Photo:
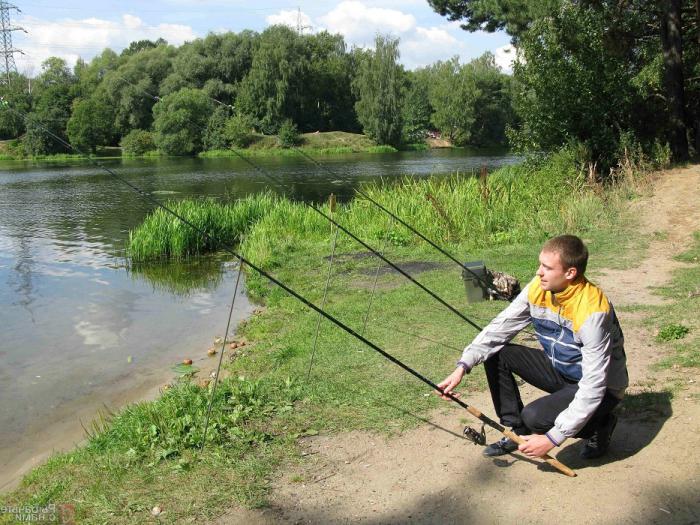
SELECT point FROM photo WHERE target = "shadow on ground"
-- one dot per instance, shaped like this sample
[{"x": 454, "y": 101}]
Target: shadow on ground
[{"x": 641, "y": 417}]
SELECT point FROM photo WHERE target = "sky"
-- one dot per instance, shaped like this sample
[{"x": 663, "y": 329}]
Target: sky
[{"x": 80, "y": 28}]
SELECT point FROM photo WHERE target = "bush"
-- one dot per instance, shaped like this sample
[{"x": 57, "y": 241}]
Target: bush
[
  {"x": 288, "y": 135},
  {"x": 137, "y": 142},
  {"x": 179, "y": 120},
  {"x": 238, "y": 131},
  {"x": 215, "y": 134}
]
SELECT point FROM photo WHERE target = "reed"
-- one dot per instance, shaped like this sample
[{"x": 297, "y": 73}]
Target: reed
[{"x": 522, "y": 203}]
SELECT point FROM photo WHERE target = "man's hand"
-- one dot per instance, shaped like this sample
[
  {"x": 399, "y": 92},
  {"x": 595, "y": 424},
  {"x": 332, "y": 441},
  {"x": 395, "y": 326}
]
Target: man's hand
[
  {"x": 536, "y": 445},
  {"x": 450, "y": 383}
]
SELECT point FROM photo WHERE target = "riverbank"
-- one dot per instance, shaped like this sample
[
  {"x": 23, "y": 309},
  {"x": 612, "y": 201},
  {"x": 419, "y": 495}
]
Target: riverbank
[
  {"x": 320, "y": 143},
  {"x": 147, "y": 454}
]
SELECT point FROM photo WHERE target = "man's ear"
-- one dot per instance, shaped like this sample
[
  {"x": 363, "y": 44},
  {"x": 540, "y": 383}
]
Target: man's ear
[{"x": 571, "y": 273}]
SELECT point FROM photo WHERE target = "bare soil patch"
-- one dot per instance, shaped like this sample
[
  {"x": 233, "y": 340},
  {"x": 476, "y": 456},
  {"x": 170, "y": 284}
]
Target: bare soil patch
[{"x": 432, "y": 475}]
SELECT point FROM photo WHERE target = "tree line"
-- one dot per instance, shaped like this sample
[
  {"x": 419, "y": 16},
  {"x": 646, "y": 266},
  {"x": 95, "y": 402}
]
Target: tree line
[{"x": 216, "y": 92}]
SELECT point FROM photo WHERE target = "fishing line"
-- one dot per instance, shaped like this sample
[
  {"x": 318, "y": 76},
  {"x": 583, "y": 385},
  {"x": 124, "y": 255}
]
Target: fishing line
[
  {"x": 359, "y": 192},
  {"x": 472, "y": 410},
  {"x": 374, "y": 284},
  {"x": 221, "y": 354},
  {"x": 325, "y": 288},
  {"x": 275, "y": 180}
]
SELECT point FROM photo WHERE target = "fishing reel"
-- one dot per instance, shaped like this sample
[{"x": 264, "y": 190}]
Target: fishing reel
[{"x": 478, "y": 437}]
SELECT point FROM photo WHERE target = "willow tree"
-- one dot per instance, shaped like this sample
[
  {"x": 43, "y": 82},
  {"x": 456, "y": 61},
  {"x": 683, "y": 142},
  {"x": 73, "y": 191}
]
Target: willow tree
[{"x": 378, "y": 87}]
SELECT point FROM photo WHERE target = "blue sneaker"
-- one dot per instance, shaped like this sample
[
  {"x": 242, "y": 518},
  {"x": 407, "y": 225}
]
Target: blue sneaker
[{"x": 499, "y": 448}]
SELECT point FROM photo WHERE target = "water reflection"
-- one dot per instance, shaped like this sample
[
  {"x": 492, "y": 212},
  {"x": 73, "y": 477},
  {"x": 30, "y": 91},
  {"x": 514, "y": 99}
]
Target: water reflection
[
  {"x": 181, "y": 278},
  {"x": 23, "y": 276}
]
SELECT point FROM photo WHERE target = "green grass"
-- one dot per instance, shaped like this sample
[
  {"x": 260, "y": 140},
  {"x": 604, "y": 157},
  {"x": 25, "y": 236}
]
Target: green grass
[
  {"x": 325, "y": 143},
  {"x": 677, "y": 322},
  {"x": 146, "y": 455}
]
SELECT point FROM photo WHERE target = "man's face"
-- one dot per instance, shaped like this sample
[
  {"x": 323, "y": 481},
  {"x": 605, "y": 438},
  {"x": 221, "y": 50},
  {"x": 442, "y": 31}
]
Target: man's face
[{"x": 553, "y": 276}]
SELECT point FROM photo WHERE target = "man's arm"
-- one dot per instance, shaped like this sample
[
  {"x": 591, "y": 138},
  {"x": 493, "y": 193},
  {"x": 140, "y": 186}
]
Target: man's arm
[
  {"x": 491, "y": 339},
  {"x": 498, "y": 332}
]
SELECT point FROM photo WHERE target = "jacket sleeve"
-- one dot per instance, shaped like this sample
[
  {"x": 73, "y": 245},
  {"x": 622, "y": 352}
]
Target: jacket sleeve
[
  {"x": 499, "y": 332},
  {"x": 595, "y": 335}
]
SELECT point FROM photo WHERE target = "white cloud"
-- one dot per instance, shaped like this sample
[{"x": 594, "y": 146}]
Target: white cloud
[
  {"x": 290, "y": 18},
  {"x": 505, "y": 55},
  {"x": 73, "y": 38},
  {"x": 359, "y": 24}
]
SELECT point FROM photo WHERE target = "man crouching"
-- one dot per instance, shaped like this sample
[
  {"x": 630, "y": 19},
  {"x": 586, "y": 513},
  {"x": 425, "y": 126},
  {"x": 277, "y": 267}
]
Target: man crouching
[{"x": 583, "y": 366}]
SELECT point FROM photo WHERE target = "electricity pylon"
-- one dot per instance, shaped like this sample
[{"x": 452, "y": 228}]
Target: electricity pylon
[{"x": 8, "y": 52}]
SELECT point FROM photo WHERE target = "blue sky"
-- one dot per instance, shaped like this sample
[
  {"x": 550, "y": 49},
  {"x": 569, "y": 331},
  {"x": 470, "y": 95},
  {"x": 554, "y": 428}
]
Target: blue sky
[{"x": 73, "y": 28}]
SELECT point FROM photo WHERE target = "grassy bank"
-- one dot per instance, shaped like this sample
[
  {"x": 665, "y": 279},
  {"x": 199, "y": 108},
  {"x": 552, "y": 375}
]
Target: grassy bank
[
  {"x": 147, "y": 454},
  {"x": 325, "y": 143}
]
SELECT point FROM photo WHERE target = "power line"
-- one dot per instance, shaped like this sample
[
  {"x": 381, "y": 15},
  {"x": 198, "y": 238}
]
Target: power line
[{"x": 8, "y": 52}]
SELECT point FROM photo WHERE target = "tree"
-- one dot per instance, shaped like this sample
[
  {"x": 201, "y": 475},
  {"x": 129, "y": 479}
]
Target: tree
[
  {"x": 378, "y": 86},
  {"x": 644, "y": 38},
  {"x": 90, "y": 125},
  {"x": 493, "y": 108},
  {"x": 416, "y": 106},
  {"x": 515, "y": 16},
  {"x": 179, "y": 121},
  {"x": 130, "y": 90},
  {"x": 16, "y": 96},
  {"x": 215, "y": 134},
  {"x": 453, "y": 93},
  {"x": 52, "y": 108},
  {"x": 273, "y": 89}
]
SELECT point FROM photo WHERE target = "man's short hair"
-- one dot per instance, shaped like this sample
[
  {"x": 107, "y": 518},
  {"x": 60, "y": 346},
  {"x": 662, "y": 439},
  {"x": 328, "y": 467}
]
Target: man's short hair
[{"x": 572, "y": 252}]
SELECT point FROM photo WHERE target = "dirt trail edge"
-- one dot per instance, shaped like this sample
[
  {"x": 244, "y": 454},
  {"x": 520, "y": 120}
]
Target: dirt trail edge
[{"x": 431, "y": 475}]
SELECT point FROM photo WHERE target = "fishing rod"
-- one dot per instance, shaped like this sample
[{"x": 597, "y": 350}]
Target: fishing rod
[{"x": 243, "y": 261}]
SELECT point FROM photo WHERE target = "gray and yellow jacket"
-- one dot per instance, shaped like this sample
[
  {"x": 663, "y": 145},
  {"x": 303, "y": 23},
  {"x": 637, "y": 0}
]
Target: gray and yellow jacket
[{"x": 580, "y": 334}]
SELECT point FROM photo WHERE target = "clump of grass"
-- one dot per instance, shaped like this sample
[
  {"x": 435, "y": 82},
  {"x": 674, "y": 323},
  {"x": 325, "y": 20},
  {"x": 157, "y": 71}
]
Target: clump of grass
[
  {"x": 163, "y": 236},
  {"x": 671, "y": 332}
]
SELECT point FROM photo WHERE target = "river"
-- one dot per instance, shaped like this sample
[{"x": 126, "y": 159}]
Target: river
[{"x": 80, "y": 330}]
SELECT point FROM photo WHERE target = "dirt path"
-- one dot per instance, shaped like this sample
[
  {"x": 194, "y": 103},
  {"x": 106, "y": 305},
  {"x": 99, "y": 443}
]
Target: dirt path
[{"x": 432, "y": 475}]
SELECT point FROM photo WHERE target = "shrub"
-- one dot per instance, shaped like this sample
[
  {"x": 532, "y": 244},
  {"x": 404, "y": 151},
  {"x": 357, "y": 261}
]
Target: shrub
[
  {"x": 215, "y": 134},
  {"x": 288, "y": 135},
  {"x": 137, "y": 142},
  {"x": 238, "y": 131}
]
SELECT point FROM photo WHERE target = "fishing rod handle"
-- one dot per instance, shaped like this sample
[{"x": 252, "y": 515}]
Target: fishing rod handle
[{"x": 549, "y": 459}]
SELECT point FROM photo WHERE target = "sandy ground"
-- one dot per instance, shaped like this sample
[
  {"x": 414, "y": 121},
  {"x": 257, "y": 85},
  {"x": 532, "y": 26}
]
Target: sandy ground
[{"x": 432, "y": 475}]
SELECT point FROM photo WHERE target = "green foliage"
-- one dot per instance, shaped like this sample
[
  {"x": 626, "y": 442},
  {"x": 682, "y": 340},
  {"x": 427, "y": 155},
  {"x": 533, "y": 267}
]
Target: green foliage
[
  {"x": 288, "y": 135},
  {"x": 515, "y": 16},
  {"x": 215, "y": 134},
  {"x": 416, "y": 107},
  {"x": 588, "y": 99},
  {"x": 162, "y": 236},
  {"x": 138, "y": 142},
  {"x": 131, "y": 88},
  {"x": 453, "y": 93},
  {"x": 671, "y": 332},
  {"x": 477, "y": 214},
  {"x": 90, "y": 124},
  {"x": 17, "y": 98},
  {"x": 239, "y": 131},
  {"x": 179, "y": 120},
  {"x": 379, "y": 86}
]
